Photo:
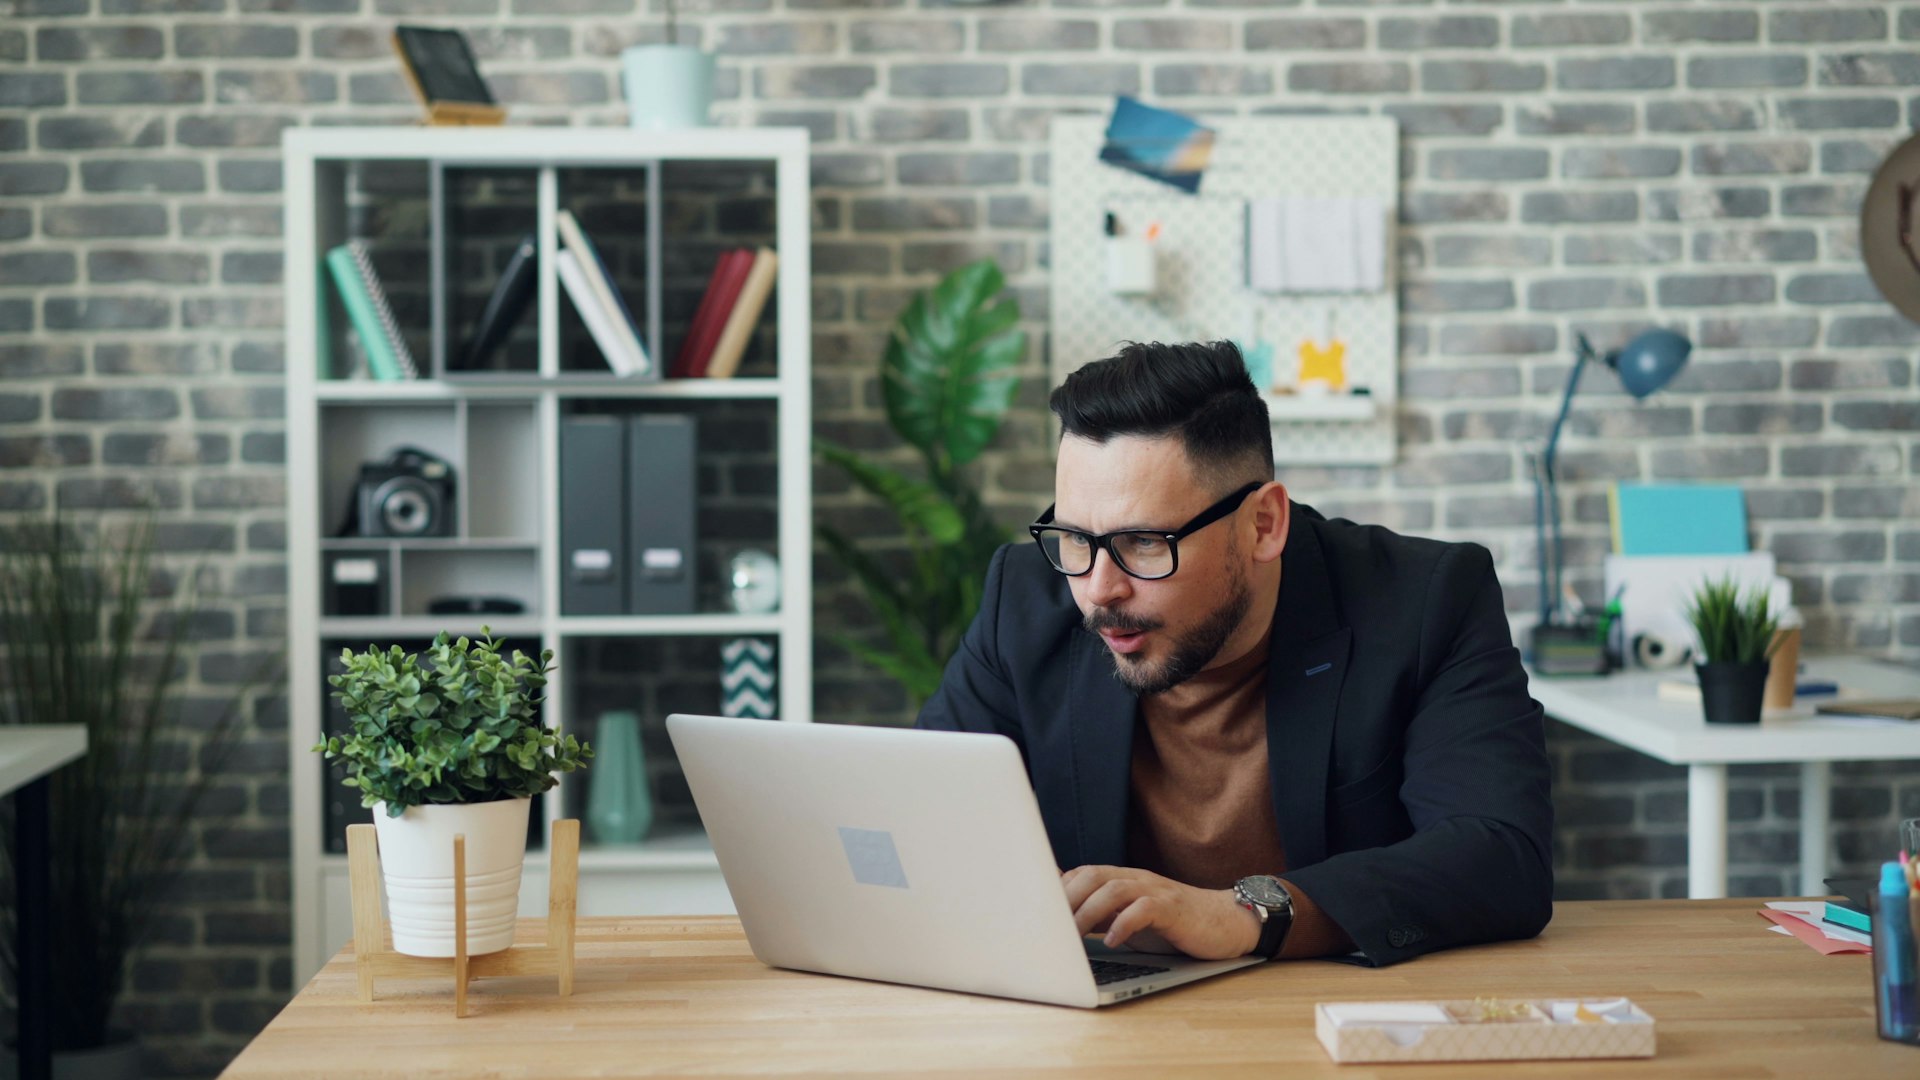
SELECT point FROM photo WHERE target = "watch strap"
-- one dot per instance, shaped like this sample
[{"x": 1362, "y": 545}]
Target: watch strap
[{"x": 1273, "y": 933}]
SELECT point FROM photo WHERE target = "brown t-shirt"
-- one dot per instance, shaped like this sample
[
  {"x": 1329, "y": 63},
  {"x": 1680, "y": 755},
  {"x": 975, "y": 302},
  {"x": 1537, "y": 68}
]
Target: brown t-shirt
[{"x": 1202, "y": 808}]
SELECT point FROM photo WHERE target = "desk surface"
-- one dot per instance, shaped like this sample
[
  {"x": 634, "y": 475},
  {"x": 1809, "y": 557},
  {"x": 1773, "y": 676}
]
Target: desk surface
[
  {"x": 31, "y": 751},
  {"x": 684, "y": 995},
  {"x": 1625, "y": 708}
]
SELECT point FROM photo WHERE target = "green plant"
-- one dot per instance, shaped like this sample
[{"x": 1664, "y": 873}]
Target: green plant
[
  {"x": 90, "y": 635},
  {"x": 463, "y": 729},
  {"x": 1732, "y": 629},
  {"x": 947, "y": 379}
]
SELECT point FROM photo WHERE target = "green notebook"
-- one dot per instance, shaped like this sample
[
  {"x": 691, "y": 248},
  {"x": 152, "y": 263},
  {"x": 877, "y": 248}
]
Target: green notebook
[{"x": 367, "y": 309}]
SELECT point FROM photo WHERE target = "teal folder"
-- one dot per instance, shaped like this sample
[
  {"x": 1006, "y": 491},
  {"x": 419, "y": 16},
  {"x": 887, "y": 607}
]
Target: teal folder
[
  {"x": 1678, "y": 519},
  {"x": 1847, "y": 917}
]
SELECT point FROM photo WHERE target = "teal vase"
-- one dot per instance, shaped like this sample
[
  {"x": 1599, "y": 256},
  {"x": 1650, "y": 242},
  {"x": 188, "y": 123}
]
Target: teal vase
[{"x": 619, "y": 806}]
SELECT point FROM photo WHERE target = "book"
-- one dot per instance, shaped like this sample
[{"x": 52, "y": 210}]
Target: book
[
  {"x": 388, "y": 357},
  {"x": 1845, "y": 915},
  {"x": 599, "y": 324},
  {"x": 712, "y": 318},
  {"x": 1677, "y": 519},
  {"x": 600, "y": 280},
  {"x": 745, "y": 315},
  {"x": 504, "y": 307},
  {"x": 1885, "y": 709},
  {"x": 700, "y": 313}
]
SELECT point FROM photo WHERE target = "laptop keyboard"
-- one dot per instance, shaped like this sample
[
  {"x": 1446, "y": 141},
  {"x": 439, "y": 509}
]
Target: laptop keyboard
[{"x": 1113, "y": 971}]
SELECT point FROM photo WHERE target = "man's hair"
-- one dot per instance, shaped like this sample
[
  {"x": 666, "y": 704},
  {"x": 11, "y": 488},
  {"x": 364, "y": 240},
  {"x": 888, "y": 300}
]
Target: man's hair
[{"x": 1200, "y": 393}]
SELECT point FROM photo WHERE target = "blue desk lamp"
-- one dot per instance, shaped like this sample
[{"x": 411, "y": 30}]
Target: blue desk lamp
[{"x": 1649, "y": 362}]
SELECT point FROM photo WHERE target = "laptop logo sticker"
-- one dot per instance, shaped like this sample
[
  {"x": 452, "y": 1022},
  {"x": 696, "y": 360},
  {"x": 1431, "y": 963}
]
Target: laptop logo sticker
[{"x": 871, "y": 855}]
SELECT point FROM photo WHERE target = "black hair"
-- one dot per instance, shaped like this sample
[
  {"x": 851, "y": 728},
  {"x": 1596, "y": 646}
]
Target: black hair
[{"x": 1199, "y": 392}]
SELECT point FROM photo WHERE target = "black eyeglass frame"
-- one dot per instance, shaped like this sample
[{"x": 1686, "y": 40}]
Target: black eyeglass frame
[{"x": 1104, "y": 541}]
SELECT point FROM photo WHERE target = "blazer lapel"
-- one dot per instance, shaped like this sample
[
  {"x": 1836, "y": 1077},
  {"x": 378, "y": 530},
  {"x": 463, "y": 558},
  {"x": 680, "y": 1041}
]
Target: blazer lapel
[
  {"x": 1306, "y": 666},
  {"x": 1103, "y": 713}
]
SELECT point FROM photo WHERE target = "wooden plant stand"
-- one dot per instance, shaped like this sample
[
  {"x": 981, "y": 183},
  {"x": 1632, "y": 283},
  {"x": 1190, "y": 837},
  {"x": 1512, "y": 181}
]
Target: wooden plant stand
[{"x": 372, "y": 957}]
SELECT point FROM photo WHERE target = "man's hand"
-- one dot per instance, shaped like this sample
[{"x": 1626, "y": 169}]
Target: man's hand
[{"x": 1123, "y": 903}]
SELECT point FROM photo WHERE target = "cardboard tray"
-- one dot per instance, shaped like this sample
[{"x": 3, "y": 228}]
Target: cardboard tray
[{"x": 1536, "y": 1037}]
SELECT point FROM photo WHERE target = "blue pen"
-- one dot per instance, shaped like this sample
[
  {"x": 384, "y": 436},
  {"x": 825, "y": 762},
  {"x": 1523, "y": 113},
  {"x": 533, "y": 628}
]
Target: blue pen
[{"x": 1894, "y": 957}]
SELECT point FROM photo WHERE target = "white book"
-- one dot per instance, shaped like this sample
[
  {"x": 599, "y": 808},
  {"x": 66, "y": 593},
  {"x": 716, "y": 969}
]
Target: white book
[
  {"x": 595, "y": 269},
  {"x": 588, "y": 305}
]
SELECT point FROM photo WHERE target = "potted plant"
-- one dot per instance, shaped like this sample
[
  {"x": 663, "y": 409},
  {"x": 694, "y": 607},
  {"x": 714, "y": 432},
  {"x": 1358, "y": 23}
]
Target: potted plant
[
  {"x": 95, "y": 636},
  {"x": 1736, "y": 644},
  {"x": 668, "y": 84},
  {"x": 451, "y": 746},
  {"x": 947, "y": 378}
]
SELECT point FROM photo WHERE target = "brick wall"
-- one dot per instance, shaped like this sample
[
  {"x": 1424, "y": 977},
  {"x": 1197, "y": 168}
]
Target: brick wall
[{"x": 1597, "y": 168}]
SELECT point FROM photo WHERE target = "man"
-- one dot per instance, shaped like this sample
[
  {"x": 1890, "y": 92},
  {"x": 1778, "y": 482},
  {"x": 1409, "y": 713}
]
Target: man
[{"x": 1251, "y": 729}]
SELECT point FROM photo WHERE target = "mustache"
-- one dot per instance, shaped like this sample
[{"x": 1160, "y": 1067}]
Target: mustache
[{"x": 1118, "y": 621}]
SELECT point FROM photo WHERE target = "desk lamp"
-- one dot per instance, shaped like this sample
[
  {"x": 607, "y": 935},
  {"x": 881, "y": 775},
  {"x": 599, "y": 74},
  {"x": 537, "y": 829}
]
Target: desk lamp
[{"x": 1648, "y": 362}]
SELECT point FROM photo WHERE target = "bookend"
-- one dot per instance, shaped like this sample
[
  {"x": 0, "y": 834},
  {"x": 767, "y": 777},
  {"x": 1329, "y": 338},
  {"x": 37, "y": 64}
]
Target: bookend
[{"x": 372, "y": 957}]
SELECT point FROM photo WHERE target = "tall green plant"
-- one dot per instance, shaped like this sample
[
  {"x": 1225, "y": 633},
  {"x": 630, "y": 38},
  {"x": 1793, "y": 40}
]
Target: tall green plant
[
  {"x": 947, "y": 379},
  {"x": 84, "y": 640},
  {"x": 1732, "y": 629}
]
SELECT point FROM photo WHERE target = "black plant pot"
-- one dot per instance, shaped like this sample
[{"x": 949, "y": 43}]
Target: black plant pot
[{"x": 1732, "y": 691}]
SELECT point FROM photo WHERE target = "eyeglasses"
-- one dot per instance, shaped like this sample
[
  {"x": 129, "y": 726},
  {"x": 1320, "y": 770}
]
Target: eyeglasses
[{"x": 1143, "y": 553}]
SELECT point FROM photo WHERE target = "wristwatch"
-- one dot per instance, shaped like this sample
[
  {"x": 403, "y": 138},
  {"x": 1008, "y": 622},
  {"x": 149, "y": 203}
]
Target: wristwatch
[{"x": 1268, "y": 899}]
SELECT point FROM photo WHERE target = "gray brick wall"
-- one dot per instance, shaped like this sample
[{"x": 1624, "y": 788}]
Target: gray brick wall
[{"x": 1598, "y": 169}]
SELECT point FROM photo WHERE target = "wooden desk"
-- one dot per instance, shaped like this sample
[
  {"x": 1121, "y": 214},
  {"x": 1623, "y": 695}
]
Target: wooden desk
[{"x": 684, "y": 995}]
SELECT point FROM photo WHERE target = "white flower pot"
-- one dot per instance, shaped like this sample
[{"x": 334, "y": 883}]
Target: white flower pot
[{"x": 416, "y": 864}]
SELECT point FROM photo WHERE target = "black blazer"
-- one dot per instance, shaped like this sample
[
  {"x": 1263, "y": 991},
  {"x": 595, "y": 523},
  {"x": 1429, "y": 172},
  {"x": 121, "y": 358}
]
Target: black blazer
[{"x": 1410, "y": 776}]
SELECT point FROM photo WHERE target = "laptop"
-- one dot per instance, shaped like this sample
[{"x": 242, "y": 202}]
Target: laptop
[{"x": 911, "y": 857}]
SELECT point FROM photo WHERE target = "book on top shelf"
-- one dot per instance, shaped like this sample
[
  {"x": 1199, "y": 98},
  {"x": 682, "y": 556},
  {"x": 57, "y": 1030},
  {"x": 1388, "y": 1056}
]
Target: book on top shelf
[
  {"x": 711, "y": 317},
  {"x": 370, "y": 314},
  {"x": 732, "y": 346},
  {"x": 505, "y": 306},
  {"x": 600, "y": 279},
  {"x": 575, "y": 278}
]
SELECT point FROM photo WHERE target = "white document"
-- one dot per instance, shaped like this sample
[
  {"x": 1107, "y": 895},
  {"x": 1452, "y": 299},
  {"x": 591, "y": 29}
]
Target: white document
[
  {"x": 1658, "y": 587},
  {"x": 1266, "y": 269}
]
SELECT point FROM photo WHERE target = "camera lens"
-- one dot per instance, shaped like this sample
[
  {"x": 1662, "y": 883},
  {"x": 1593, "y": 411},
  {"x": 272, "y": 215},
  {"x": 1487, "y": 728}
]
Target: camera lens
[{"x": 406, "y": 509}]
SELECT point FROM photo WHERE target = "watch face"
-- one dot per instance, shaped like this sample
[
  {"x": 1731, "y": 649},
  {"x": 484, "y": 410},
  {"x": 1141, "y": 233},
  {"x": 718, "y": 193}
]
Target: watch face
[{"x": 1265, "y": 891}]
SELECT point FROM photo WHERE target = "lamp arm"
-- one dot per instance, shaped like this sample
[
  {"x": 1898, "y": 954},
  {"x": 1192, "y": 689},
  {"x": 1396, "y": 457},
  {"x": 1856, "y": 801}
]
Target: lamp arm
[{"x": 1546, "y": 495}]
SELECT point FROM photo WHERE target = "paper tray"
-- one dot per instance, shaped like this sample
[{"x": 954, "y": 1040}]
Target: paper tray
[{"x": 1449, "y": 1039}]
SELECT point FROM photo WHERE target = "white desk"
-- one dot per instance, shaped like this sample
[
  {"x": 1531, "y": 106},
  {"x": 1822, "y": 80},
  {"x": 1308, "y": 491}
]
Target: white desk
[
  {"x": 27, "y": 754},
  {"x": 1625, "y": 708}
]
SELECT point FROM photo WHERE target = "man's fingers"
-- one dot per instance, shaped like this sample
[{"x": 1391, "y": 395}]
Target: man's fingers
[
  {"x": 1081, "y": 881},
  {"x": 1135, "y": 917},
  {"x": 1100, "y": 906}
]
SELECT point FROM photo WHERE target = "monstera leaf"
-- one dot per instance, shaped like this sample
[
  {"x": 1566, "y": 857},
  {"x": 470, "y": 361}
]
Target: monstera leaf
[{"x": 947, "y": 378}]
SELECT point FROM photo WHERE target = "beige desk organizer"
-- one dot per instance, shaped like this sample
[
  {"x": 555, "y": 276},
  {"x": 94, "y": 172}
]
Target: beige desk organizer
[
  {"x": 373, "y": 958},
  {"x": 1457, "y": 1030}
]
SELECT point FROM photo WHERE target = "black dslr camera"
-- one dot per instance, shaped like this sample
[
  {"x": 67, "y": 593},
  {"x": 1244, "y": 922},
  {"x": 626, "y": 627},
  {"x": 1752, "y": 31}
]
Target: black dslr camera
[{"x": 408, "y": 495}]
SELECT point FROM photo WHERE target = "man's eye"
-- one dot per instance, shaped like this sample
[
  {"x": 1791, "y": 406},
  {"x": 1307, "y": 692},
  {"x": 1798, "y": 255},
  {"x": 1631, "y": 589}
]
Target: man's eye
[
  {"x": 1140, "y": 543},
  {"x": 1073, "y": 540}
]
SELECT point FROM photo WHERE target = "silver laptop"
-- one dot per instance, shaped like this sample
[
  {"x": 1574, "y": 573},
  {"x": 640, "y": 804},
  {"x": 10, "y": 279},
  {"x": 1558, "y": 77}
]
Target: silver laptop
[{"x": 906, "y": 856}]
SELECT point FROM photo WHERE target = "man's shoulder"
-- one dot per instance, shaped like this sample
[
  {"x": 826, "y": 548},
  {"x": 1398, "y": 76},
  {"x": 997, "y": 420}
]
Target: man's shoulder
[
  {"x": 1029, "y": 585},
  {"x": 1377, "y": 559}
]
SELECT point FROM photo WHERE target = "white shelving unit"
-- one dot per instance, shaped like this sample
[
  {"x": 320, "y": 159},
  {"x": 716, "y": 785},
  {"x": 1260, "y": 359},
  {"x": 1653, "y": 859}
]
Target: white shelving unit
[{"x": 512, "y": 422}]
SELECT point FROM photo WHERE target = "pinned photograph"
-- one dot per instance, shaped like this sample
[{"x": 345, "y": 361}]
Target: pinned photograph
[{"x": 1156, "y": 143}]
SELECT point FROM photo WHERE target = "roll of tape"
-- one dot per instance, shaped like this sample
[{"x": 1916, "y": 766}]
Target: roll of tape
[{"x": 1654, "y": 651}]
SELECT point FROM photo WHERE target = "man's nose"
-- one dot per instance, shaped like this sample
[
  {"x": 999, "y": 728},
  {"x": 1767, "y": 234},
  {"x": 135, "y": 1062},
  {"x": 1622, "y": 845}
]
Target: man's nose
[{"x": 1106, "y": 582}]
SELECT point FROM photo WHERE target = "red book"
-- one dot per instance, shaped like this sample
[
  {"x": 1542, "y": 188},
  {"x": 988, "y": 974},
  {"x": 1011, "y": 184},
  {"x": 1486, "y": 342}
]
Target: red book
[{"x": 711, "y": 316}]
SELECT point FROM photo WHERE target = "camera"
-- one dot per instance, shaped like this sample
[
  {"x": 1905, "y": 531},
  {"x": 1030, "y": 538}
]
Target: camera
[{"x": 408, "y": 495}]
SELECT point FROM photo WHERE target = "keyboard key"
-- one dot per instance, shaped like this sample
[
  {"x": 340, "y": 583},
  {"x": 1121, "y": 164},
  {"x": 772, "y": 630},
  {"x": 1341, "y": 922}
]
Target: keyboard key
[{"x": 1113, "y": 971}]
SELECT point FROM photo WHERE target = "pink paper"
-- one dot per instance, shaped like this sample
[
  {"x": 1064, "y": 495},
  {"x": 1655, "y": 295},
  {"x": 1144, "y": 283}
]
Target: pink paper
[{"x": 1810, "y": 934}]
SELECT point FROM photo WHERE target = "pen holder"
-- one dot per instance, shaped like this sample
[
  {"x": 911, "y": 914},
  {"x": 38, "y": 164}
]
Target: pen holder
[{"x": 1896, "y": 1007}]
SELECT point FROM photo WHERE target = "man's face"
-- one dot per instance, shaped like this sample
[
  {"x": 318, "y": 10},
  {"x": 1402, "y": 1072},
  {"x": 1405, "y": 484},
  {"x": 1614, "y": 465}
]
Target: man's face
[{"x": 1159, "y": 633}]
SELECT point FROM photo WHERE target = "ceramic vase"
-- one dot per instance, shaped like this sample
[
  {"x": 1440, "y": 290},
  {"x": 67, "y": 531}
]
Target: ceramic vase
[
  {"x": 667, "y": 86},
  {"x": 619, "y": 804}
]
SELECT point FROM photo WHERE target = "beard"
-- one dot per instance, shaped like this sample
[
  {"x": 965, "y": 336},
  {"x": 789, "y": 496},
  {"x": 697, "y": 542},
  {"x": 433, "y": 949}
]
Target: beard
[{"x": 1192, "y": 650}]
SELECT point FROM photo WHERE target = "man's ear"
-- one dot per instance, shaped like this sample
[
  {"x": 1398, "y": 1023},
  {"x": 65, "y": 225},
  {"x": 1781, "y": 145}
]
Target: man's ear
[{"x": 1273, "y": 517}]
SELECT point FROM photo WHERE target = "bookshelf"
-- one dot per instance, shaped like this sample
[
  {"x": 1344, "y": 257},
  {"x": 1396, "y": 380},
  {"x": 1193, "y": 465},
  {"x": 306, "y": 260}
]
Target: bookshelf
[{"x": 439, "y": 210}]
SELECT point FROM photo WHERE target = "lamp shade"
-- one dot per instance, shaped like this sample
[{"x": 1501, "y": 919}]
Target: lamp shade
[{"x": 1650, "y": 361}]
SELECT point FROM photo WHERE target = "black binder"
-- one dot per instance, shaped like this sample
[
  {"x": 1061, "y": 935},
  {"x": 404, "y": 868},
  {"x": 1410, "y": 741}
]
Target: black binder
[
  {"x": 661, "y": 481},
  {"x": 593, "y": 549}
]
